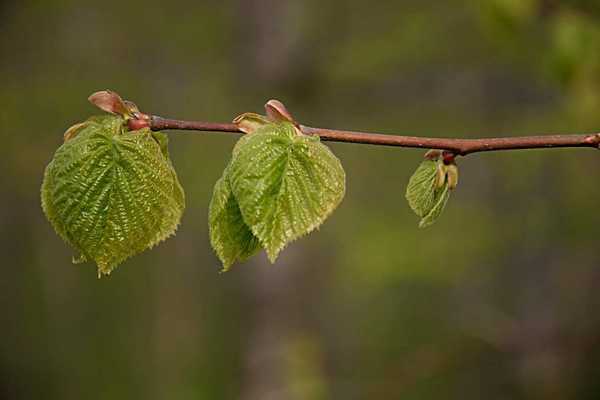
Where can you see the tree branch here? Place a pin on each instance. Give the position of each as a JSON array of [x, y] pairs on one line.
[[456, 146]]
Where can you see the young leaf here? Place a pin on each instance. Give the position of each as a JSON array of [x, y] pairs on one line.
[[230, 237], [111, 193], [441, 196], [427, 192], [286, 184]]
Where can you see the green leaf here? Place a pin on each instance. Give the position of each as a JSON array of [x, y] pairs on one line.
[[111, 193], [441, 196], [286, 184], [230, 237], [427, 192]]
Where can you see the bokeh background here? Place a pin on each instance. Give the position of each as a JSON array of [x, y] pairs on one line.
[[499, 300]]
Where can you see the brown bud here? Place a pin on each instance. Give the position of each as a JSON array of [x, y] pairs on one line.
[[110, 102], [448, 157], [277, 112]]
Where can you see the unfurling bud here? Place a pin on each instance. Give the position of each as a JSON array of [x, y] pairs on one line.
[[249, 122], [452, 176], [111, 102], [430, 186], [276, 114], [440, 175]]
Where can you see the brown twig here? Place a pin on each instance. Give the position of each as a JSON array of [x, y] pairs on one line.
[[456, 146], [112, 102]]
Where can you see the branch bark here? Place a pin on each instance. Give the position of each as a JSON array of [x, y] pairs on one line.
[[456, 146]]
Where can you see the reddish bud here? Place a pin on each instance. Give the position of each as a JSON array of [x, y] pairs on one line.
[[448, 157], [137, 124]]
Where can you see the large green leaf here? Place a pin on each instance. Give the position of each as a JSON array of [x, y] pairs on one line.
[[286, 184], [111, 193], [231, 238], [427, 192]]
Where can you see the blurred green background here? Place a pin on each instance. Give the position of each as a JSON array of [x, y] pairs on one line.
[[498, 300]]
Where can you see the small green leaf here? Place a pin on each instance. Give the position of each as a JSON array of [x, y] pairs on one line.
[[442, 195], [286, 184], [420, 192], [230, 237], [111, 193], [428, 192]]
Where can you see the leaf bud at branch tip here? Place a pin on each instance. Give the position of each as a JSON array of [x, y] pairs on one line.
[[111, 102]]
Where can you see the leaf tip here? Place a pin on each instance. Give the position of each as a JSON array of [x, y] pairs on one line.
[[272, 254], [225, 267], [425, 224], [79, 259]]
